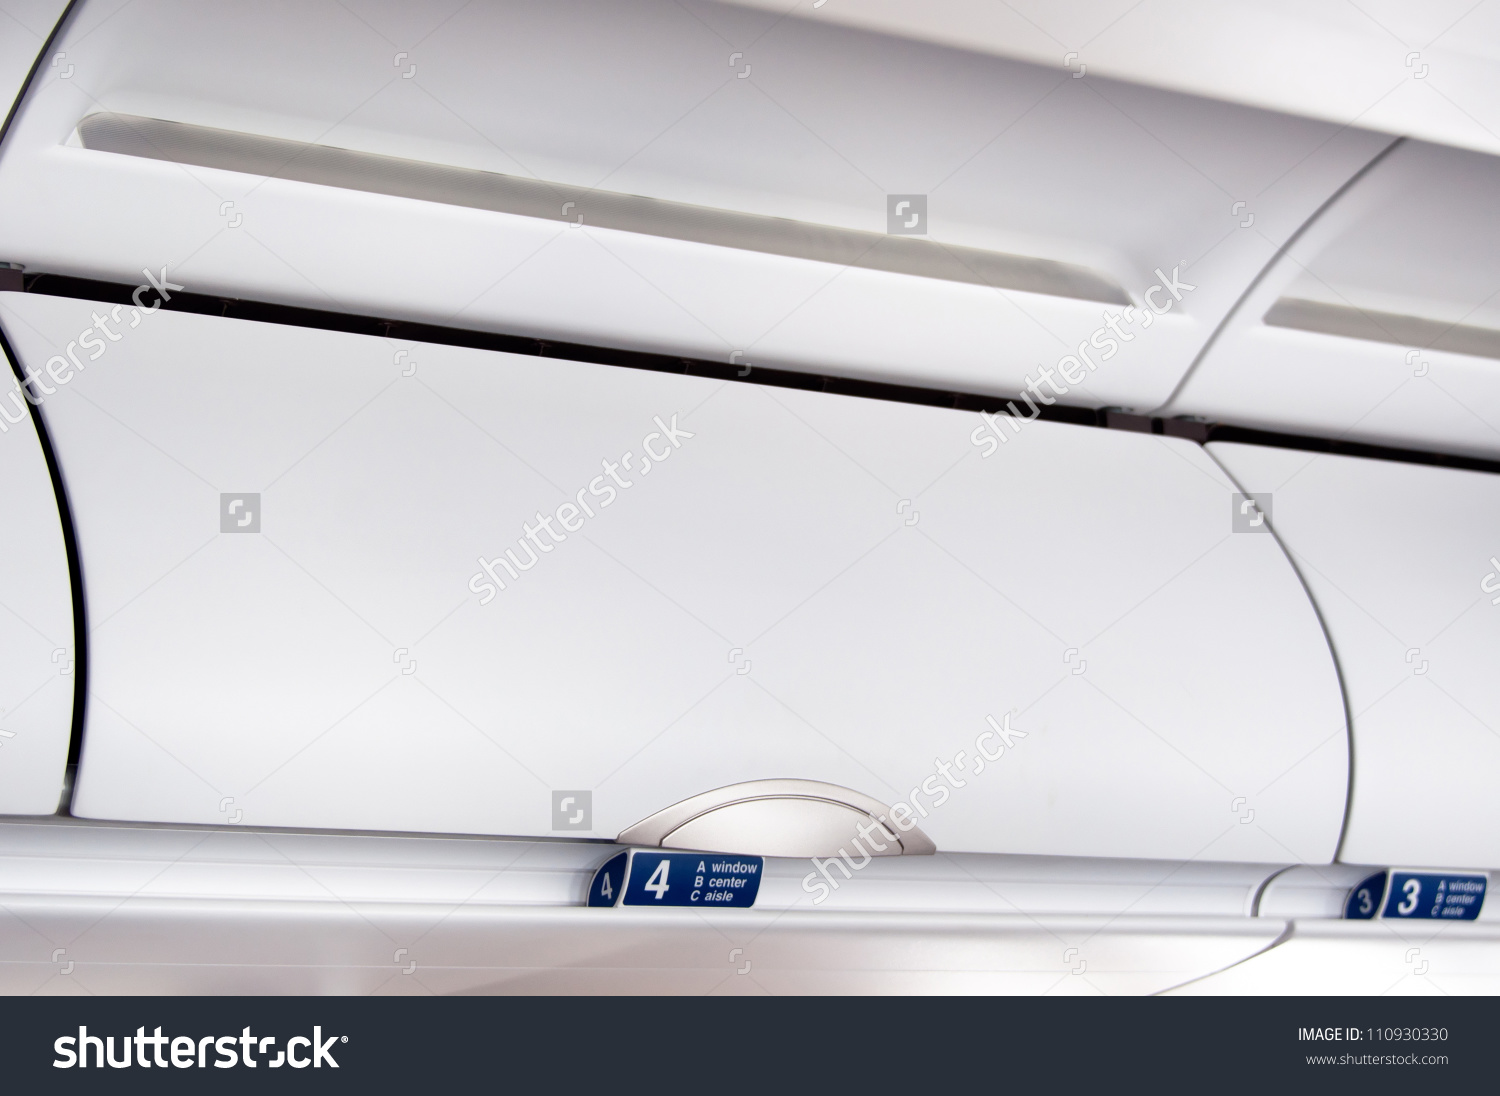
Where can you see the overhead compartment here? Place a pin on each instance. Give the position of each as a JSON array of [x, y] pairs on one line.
[[38, 659], [1401, 561], [341, 582], [749, 187], [1381, 323]]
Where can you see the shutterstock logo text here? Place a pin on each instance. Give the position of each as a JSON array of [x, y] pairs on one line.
[[189, 1052]]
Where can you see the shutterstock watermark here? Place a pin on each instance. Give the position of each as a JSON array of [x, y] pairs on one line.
[[903, 816], [570, 516], [63, 369], [1073, 368], [1490, 583], [191, 1052]]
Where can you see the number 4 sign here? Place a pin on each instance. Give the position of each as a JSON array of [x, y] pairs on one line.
[[657, 879], [609, 880], [657, 884]]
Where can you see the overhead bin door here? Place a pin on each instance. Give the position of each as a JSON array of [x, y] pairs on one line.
[[1401, 560], [337, 581], [1380, 324], [702, 180], [38, 661]]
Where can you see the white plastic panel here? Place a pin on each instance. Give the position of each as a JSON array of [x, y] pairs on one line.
[[811, 587], [36, 618], [1397, 557], [251, 947], [26, 26], [1367, 958], [162, 910], [1011, 157], [68, 858], [1330, 61], [1311, 890], [1418, 237]]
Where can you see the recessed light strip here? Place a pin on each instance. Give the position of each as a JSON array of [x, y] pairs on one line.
[[1387, 327], [325, 165]]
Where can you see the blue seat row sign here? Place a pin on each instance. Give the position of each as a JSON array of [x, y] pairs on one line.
[[657, 879], [1418, 895]]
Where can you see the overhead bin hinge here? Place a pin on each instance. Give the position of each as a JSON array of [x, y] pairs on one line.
[[1187, 428]]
